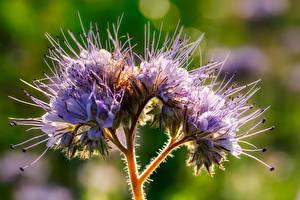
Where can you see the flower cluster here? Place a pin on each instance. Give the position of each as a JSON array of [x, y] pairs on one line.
[[96, 90]]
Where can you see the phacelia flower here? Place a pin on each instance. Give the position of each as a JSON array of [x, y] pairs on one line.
[[214, 120], [93, 91], [84, 99]]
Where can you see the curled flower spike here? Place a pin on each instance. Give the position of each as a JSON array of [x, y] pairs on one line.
[[93, 91], [214, 120], [84, 99]]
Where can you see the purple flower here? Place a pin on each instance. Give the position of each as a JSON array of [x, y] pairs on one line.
[[214, 119], [95, 91], [83, 103], [164, 71]]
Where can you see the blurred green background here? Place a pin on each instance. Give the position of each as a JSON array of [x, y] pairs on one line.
[[263, 37]]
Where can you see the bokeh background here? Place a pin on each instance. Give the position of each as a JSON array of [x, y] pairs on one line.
[[263, 37]]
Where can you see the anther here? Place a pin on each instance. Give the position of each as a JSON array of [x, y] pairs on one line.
[[34, 161], [24, 150], [260, 161], [12, 146], [263, 120], [264, 149], [12, 123], [26, 93]]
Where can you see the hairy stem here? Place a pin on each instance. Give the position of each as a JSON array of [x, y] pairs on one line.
[[172, 145], [136, 180], [156, 162], [136, 185]]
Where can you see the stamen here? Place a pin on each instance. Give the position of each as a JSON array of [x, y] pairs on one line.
[[271, 168], [55, 44], [26, 123], [39, 102], [238, 89], [255, 150], [36, 88], [53, 70], [33, 145], [24, 102], [12, 123], [253, 127], [252, 116], [225, 85], [247, 108], [75, 40], [254, 85], [221, 68], [247, 97], [34, 161], [98, 38], [66, 42], [13, 146], [248, 143], [26, 119], [33, 128], [256, 133]]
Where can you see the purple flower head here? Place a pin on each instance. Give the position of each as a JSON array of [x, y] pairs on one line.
[[214, 120], [74, 113], [83, 99], [93, 91], [164, 71], [163, 74]]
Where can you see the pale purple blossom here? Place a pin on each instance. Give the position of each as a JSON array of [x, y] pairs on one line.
[[214, 117], [93, 91]]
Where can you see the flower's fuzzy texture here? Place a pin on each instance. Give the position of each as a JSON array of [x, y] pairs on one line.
[[164, 74], [214, 118], [84, 95], [94, 90]]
